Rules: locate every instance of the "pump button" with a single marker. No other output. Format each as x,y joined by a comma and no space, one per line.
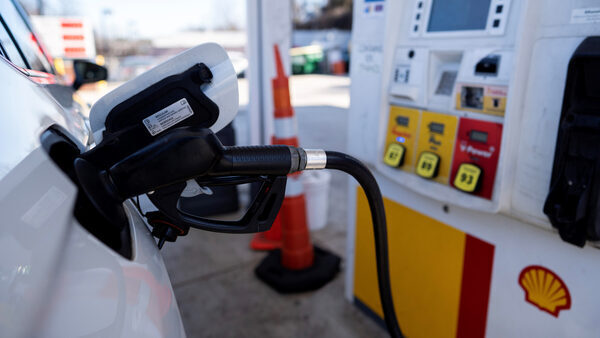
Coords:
394,155
468,177
428,165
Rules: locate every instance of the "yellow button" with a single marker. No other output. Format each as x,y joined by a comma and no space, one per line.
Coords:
428,165
467,177
394,155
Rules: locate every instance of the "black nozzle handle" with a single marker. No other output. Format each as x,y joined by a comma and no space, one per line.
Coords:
189,153
278,160
181,155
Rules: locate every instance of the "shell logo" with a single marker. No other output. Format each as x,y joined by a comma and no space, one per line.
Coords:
544,289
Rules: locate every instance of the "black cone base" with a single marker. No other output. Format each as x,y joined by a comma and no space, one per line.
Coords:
326,265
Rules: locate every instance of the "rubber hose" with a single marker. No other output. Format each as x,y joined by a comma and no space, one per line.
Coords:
362,174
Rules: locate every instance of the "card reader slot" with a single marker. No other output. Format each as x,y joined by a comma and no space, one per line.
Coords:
488,66
472,97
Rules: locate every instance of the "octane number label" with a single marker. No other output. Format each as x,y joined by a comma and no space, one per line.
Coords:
428,164
394,155
467,177
168,117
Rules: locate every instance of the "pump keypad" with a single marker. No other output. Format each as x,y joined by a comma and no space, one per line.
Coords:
428,165
460,152
468,177
394,155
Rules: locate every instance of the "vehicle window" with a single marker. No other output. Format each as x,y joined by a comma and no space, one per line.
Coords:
24,38
9,49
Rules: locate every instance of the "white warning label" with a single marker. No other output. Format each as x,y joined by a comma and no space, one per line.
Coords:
585,15
168,117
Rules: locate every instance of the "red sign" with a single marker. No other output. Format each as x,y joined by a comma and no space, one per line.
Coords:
478,143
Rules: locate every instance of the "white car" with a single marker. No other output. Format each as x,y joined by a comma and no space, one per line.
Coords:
65,271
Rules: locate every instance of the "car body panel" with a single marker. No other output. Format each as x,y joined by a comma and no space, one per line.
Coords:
36,202
100,293
26,109
57,279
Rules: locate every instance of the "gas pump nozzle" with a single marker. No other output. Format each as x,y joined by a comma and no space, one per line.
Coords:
193,153
190,153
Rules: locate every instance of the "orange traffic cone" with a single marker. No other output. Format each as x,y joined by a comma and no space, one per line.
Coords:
339,67
296,250
337,64
285,133
268,240
298,266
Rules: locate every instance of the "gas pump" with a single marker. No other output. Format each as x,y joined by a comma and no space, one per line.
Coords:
485,154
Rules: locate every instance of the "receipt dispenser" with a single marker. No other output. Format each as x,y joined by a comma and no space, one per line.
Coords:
573,203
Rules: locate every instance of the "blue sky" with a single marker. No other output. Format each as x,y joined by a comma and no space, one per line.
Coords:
150,18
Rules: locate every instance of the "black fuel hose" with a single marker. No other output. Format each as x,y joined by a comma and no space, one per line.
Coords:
282,160
355,168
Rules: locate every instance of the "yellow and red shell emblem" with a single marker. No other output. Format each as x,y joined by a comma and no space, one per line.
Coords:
544,289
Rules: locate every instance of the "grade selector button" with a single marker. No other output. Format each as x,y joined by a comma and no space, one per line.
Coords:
467,177
436,136
477,143
402,130
428,165
394,155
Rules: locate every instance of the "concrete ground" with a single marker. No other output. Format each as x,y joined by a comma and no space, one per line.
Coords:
213,274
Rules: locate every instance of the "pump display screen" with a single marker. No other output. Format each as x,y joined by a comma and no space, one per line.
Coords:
458,15
478,136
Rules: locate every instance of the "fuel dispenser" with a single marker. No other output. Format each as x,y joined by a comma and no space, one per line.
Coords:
486,155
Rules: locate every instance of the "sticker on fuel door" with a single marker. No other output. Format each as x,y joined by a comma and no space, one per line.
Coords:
467,178
168,117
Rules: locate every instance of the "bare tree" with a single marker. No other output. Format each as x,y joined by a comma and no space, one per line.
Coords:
334,14
225,15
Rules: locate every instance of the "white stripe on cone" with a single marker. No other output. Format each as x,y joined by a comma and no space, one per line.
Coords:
294,186
285,127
